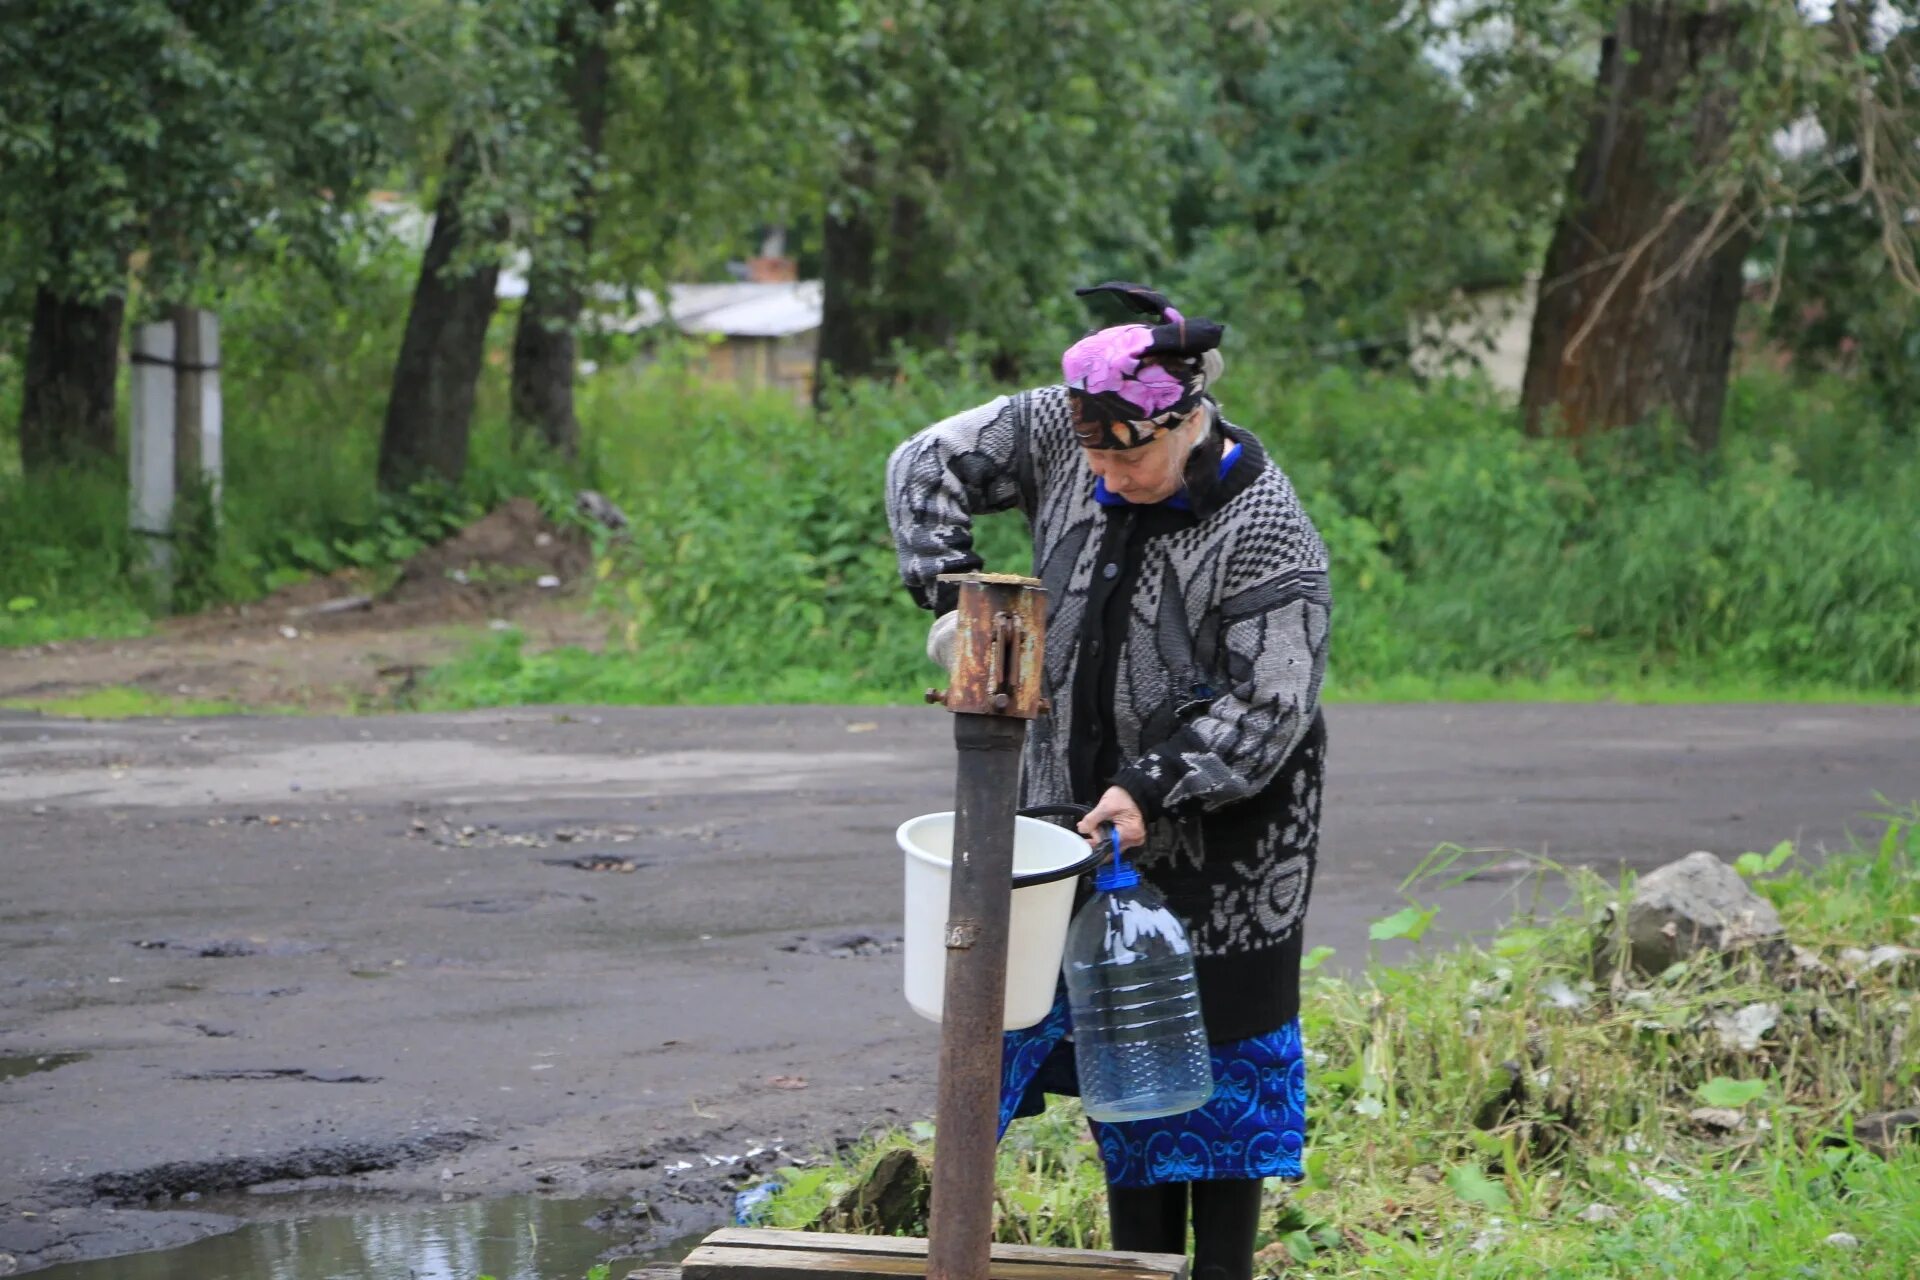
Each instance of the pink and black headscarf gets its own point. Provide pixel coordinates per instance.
(1133, 381)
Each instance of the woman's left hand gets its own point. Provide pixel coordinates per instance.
(1116, 807)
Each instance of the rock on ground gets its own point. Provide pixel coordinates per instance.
(1697, 903)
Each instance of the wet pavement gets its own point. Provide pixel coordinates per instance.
(638, 956)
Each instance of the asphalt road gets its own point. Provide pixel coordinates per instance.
(358, 952)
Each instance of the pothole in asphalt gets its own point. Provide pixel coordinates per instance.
(208, 1029)
(844, 946)
(278, 1073)
(508, 903)
(27, 1064)
(489, 835)
(335, 1237)
(596, 862)
(229, 948)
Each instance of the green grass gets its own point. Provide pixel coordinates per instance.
(1425, 1162)
(123, 702)
(1625, 687)
(26, 622)
(1469, 561)
(500, 670)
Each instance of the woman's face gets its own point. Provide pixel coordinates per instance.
(1153, 472)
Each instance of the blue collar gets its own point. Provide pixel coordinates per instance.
(1178, 501)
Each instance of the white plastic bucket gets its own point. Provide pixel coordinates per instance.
(1046, 861)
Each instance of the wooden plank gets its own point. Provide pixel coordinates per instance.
(1171, 1265)
(723, 1262)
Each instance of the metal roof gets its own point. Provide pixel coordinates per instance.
(745, 309)
(735, 309)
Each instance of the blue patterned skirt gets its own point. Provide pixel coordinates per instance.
(1254, 1125)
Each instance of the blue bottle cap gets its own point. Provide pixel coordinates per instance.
(1115, 874)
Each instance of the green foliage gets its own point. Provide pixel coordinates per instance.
(1461, 549)
(992, 149)
(1843, 266)
(1470, 1119)
(1475, 1187)
(1410, 922)
(65, 569)
(1345, 181)
(1468, 560)
(1754, 864)
(714, 129)
(307, 353)
(131, 124)
(1723, 1092)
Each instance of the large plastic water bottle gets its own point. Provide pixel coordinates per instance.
(1139, 1042)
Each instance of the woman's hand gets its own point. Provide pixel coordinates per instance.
(1118, 808)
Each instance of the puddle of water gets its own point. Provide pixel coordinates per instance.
(26, 1064)
(520, 1238)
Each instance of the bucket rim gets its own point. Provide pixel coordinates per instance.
(1024, 880)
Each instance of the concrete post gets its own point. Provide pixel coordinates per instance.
(151, 449)
(197, 422)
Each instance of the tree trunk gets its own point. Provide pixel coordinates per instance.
(543, 342)
(849, 344)
(1642, 282)
(919, 312)
(73, 361)
(879, 290)
(543, 363)
(430, 410)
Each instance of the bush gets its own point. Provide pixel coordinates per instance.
(1466, 556)
(307, 358)
(1461, 548)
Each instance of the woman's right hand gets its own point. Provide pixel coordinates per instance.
(1118, 808)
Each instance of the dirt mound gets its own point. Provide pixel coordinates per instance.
(508, 560)
(352, 638)
(501, 554)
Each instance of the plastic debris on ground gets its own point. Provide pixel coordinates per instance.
(752, 1205)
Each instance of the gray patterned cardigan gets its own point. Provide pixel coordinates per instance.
(1184, 656)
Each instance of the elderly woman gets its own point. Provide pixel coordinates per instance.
(1186, 639)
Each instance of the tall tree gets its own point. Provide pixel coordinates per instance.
(430, 409)
(1642, 283)
(544, 341)
(505, 165)
(67, 391)
(160, 132)
(1678, 177)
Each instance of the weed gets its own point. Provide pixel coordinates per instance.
(1513, 1109)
